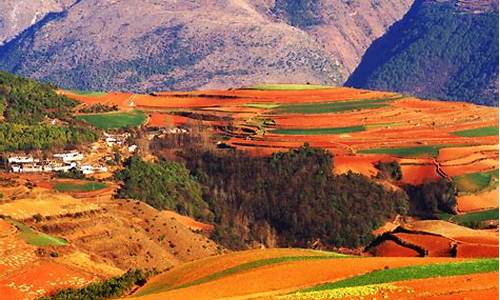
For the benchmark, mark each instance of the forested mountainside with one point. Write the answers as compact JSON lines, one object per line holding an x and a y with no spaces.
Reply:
{"x":440,"y":49}
{"x":162,"y":45}
{"x":18,"y":15}
{"x":33,"y":116}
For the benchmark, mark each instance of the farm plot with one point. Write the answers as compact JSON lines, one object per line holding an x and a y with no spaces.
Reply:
{"x":36,"y":238}
{"x":476,"y":182}
{"x":287,"y":87}
{"x":115,"y":120}
{"x":472,"y":218}
{"x":333,"y":107}
{"x":453,"y":231}
{"x":478,"y":132}
{"x":418,"y":173}
{"x":45,"y":204}
{"x":479,"y":201}
{"x":41,"y":279}
{"x":79,"y":187}
{"x":418,"y":151}
{"x":412,"y":272}
{"x":263,"y":281}
{"x":88,"y":93}
{"x":320,"y":131}
{"x":407,"y":283}
{"x":205,"y":268}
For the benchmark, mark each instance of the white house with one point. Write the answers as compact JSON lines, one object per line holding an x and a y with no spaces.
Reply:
{"x":70,"y":156}
{"x":21,"y":160}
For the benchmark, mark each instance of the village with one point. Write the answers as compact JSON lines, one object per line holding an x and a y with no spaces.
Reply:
{"x":91,"y":161}
{"x":94,"y":160}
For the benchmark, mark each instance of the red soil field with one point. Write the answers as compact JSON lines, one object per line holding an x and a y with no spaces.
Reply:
{"x":160,"y":120}
{"x":42,"y":279}
{"x":188,"y":222}
{"x":473,"y":286}
{"x":122,"y":100}
{"x":453,"y":153}
{"x":390,"y":248}
{"x":474,"y":250}
{"x":418,"y":174}
{"x":364,"y":164}
{"x":478,"y":166}
{"x":435,"y":246}
{"x":166,"y":120}
{"x":203,"y":267}
{"x":5,"y":227}
{"x":298,"y":275}
{"x":475,"y":202}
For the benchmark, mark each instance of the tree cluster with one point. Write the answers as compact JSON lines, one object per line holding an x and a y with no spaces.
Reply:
{"x":26,"y":105}
{"x":163,"y":185}
{"x":290,"y":199}
{"x":26,"y":101}
{"x":109,"y":289}
{"x":430,"y":199}
{"x":41,"y":136}
{"x":389,"y":170}
{"x":97,"y":108}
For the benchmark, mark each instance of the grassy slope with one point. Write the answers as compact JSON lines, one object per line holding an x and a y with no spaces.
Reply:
{"x":485,"y":215}
{"x":406,"y":151}
{"x":413,"y":272}
{"x":475,"y":182}
{"x":478,"y":132}
{"x":88,"y":93}
{"x":36,"y":238}
{"x":115,"y":120}
{"x":84,"y":187}
{"x":237,"y":269}
{"x":320,"y":131}
{"x":333,"y":107}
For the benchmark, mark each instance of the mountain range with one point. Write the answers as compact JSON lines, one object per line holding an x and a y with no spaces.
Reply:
{"x":179,"y":45}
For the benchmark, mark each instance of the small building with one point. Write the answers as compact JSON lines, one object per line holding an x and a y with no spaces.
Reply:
{"x":69,"y":156}
{"x":21,"y":160}
{"x":132,"y":148}
{"x":116,"y":139}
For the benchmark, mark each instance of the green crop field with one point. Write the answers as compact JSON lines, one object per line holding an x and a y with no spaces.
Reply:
{"x":241,"y":268}
{"x":411,"y":273}
{"x":261,"y":105}
{"x":288,"y":87}
{"x":475,"y":217}
{"x":36,"y":238}
{"x":476,"y":182}
{"x":406,"y":152}
{"x":478,"y":132}
{"x":333,"y":107}
{"x":84,"y":187}
{"x":89,"y":93}
{"x":320,"y":131}
{"x":115,"y":120}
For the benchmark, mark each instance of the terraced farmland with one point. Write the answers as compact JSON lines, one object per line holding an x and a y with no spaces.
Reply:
{"x":79,"y":187}
{"x":305,"y":276}
{"x":429,"y":139}
{"x":115,"y":120}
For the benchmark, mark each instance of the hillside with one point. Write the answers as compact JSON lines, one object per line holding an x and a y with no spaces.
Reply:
{"x":180,"y":182}
{"x":323,"y":275}
{"x":34,"y":117}
{"x":441,"y":50}
{"x":430,"y":144}
{"x":16,"y":16}
{"x":96,"y":45}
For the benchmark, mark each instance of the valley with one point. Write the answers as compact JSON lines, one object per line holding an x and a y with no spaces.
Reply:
{"x":87,"y":231}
